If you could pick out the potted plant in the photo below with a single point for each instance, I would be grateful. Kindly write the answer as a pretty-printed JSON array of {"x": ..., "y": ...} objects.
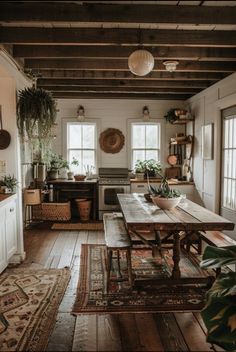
[
  {"x": 36, "y": 113},
  {"x": 163, "y": 196},
  {"x": 140, "y": 169},
  {"x": 219, "y": 314},
  {"x": 9, "y": 184},
  {"x": 152, "y": 167},
  {"x": 56, "y": 163},
  {"x": 70, "y": 174}
]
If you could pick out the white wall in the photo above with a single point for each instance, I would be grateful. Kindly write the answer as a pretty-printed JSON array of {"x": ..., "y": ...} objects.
[
  {"x": 10, "y": 81},
  {"x": 206, "y": 107},
  {"x": 115, "y": 113}
]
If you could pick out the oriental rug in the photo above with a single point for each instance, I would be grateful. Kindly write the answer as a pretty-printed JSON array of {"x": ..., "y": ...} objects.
[
  {"x": 29, "y": 301},
  {"x": 92, "y": 296},
  {"x": 93, "y": 226}
]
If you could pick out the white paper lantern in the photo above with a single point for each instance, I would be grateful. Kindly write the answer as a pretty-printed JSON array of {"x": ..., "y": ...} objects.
[{"x": 141, "y": 62}]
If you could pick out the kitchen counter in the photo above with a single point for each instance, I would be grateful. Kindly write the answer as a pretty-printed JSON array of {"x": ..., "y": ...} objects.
[
  {"x": 61, "y": 180},
  {"x": 158, "y": 180},
  {"x": 5, "y": 197}
]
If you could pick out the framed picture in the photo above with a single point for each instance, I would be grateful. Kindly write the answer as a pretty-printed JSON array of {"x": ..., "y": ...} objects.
[{"x": 207, "y": 141}]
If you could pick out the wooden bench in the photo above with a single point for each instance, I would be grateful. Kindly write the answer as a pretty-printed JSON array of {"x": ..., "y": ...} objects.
[{"x": 117, "y": 239}]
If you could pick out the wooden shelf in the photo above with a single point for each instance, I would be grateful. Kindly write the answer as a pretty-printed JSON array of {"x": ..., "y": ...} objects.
[
  {"x": 182, "y": 121},
  {"x": 180, "y": 143}
]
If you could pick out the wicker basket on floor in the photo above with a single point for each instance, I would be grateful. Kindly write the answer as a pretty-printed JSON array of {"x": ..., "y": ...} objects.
[{"x": 52, "y": 211}]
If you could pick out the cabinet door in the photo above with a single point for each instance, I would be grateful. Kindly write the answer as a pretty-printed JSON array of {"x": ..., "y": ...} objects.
[
  {"x": 138, "y": 187},
  {"x": 11, "y": 238},
  {"x": 3, "y": 257}
]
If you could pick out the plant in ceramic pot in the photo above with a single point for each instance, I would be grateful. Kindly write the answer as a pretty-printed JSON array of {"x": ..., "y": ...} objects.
[
  {"x": 74, "y": 163},
  {"x": 56, "y": 163},
  {"x": 140, "y": 169},
  {"x": 163, "y": 196},
  {"x": 219, "y": 313},
  {"x": 152, "y": 167},
  {"x": 9, "y": 183}
]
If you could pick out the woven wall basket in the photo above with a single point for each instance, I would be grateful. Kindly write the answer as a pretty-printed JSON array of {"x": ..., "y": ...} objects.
[{"x": 111, "y": 140}]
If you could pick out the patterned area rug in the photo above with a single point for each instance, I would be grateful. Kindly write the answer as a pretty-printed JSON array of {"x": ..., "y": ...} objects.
[
  {"x": 93, "y": 298},
  {"x": 94, "y": 226},
  {"x": 29, "y": 301}
]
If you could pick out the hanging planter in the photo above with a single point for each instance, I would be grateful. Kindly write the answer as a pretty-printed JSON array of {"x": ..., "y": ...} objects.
[{"x": 36, "y": 113}]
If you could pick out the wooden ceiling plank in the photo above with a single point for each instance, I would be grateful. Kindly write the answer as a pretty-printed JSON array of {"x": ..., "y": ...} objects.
[
  {"x": 144, "y": 90},
  {"x": 164, "y": 52},
  {"x": 122, "y": 65},
  {"x": 71, "y": 95},
  {"x": 126, "y": 75},
  {"x": 122, "y": 83},
  {"x": 59, "y": 12},
  {"x": 114, "y": 36}
]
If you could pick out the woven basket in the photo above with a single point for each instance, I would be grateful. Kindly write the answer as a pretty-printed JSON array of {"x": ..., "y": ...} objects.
[{"x": 52, "y": 211}]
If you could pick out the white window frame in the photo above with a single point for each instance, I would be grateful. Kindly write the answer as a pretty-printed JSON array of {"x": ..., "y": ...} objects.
[
  {"x": 141, "y": 122},
  {"x": 95, "y": 122}
]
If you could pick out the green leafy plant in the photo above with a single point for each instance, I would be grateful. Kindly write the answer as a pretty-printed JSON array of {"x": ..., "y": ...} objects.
[
  {"x": 140, "y": 166},
  {"x": 57, "y": 162},
  {"x": 10, "y": 182},
  {"x": 36, "y": 113},
  {"x": 219, "y": 314},
  {"x": 171, "y": 115},
  {"x": 164, "y": 190},
  {"x": 152, "y": 165}
]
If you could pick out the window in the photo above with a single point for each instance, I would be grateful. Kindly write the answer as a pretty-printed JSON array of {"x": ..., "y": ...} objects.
[
  {"x": 81, "y": 145},
  {"x": 229, "y": 163},
  {"x": 145, "y": 141}
]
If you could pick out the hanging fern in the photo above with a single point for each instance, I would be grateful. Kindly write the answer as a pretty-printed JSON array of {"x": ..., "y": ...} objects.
[{"x": 36, "y": 113}]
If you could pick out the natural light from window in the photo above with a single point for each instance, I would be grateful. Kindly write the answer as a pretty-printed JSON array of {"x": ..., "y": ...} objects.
[
  {"x": 145, "y": 141},
  {"x": 81, "y": 145}
]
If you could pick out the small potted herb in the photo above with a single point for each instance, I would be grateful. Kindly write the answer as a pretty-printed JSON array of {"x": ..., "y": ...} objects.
[
  {"x": 152, "y": 167},
  {"x": 9, "y": 184},
  {"x": 140, "y": 169},
  {"x": 56, "y": 163},
  {"x": 70, "y": 174}
]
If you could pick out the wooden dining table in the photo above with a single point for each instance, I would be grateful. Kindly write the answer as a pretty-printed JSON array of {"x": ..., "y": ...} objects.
[{"x": 188, "y": 217}]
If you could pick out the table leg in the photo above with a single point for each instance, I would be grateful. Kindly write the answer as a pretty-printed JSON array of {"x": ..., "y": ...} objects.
[{"x": 176, "y": 256}]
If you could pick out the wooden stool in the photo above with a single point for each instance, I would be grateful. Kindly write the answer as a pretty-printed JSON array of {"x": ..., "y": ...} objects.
[{"x": 117, "y": 239}]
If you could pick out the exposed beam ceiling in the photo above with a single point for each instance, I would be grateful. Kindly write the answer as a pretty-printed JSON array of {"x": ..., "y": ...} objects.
[{"x": 81, "y": 49}]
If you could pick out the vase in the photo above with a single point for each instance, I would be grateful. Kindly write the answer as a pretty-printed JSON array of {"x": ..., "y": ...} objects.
[{"x": 52, "y": 174}]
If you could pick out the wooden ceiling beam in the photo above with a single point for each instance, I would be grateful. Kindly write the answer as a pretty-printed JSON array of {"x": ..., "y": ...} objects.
[
  {"x": 115, "y": 36},
  {"x": 122, "y": 65},
  {"x": 121, "y": 90},
  {"x": 114, "y": 52},
  {"x": 122, "y": 83},
  {"x": 125, "y": 95},
  {"x": 127, "y": 75},
  {"x": 44, "y": 12}
]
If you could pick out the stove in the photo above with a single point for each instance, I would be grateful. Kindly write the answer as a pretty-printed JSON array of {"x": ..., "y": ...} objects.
[{"x": 112, "y": 181}]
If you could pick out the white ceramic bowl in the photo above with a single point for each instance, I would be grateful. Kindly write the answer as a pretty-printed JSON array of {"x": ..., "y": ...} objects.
[{"x": 166, "y": 203}]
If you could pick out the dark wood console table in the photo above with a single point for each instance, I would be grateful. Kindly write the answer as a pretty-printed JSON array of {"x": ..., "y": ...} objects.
[{"x": 65, "y": 190}]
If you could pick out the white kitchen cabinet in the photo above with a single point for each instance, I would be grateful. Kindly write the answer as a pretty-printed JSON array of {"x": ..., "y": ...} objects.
[
  {"x": 8, "y": 231},
  {"x": 11, "y": 236},
  {"x": 3, "y": 253}
]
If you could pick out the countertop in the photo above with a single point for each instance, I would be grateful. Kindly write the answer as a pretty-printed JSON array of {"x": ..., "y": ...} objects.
[
  {"x": 5, "y": 197},
  {"x": 158, "y": 180},
  {"x": 61, "y": 180}
]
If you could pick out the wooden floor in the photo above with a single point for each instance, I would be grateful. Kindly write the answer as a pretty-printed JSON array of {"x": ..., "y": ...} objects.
[{"x": 116, "y": 332}]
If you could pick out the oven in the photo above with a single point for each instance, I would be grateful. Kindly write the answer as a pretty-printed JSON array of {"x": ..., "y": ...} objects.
[{"x": 111, "y": 182}]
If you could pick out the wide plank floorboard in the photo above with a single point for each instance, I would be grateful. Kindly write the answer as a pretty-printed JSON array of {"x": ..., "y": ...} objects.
[{"x": 106, "y": 332}]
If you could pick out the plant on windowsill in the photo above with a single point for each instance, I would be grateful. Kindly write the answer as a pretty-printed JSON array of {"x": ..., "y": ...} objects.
[
  {"x": 163, "y": 196},
  {"x": 152, "y": 167},
  {"x": 139, "y": 169},
  {"x": 219, "y": 314},
  {"x": 70, "y": 174}
]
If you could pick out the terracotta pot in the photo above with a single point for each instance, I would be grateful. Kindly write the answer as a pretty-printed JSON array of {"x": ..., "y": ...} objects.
[{"x": 84, "y": 208}]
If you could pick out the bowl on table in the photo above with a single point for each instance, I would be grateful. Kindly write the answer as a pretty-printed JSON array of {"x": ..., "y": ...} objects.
[{"x": 166, "y": 203}]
